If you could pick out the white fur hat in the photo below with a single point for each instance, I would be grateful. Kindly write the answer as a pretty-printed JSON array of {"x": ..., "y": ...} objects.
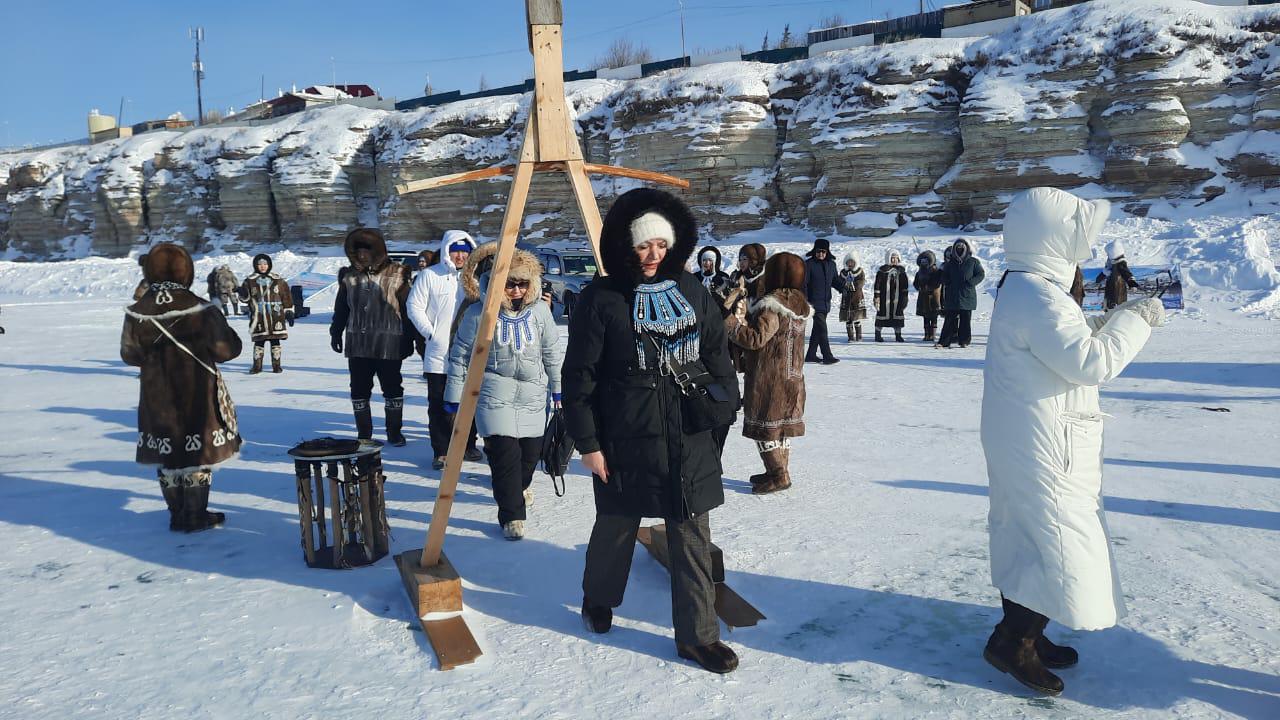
[
  {"x": 652, "y": 226},
  {"x": 1115, "y": 249}
]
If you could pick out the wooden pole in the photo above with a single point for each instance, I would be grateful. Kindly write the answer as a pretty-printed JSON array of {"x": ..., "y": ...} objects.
[
  {"x": 475, "y": 369},
  {"x": 549, "y": 166},
  {"x": 588, "y": 208}
]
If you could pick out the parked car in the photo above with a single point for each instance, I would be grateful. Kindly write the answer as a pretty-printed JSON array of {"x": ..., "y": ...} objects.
[{"x": 567, "y": 270}]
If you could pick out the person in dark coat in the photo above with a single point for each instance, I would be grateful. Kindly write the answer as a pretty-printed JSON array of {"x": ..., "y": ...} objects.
[
  {"x": 961, "y": 276},
  {"x": 891, "y": 296},
  {"x": 627, "y": 416},
  {"x": 853, "y": 300},
  {"x": 710, "y": 274},
  {"x": 744, "y": 287},
  {"x": 928, "y": 285},
  {"x": 1116, "y": 278},
  {"x": 186, "y": 421},
  {"x": 368, "y": 326},
  {"x": 821, "y": 277},
  {"x": 270, "y": 311}
]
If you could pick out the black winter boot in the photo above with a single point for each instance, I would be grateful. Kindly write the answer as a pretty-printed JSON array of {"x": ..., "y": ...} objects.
[
  {"x": 1051, "y": 655},
  {"x": 257, "y": 360},
  {"x": 197, "y": 512},
  {"x": 857, "y": 332},
  {"x": 848, "y": 329},
  {"x": 1012, "y": 649},
  {"x": 275, "y": 359},
  {"x": 716, "y": 657},
  {"x": 879, "y": 336},
  {"x": 598, "y": 619},
  {"x": 364, "y": 419},
  {"x": 897, "y": 335},
  {"x": 395, "y": 421},
  {"x": 173, "y": 498}
]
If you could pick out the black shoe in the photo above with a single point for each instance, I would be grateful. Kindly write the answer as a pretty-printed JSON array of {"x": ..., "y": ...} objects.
[
  {"x": 473, "y": 455},
  {"x": 897, "y": 337},
  {"x": 1055, "y": 656},
  {"x": 964, "y": 345},
  {"x": 809, "y": 359},
  {"x": 438, "y": 463},
  {"x": 716, "y": 657},
  {"x": 1017, "y": 656},
  {"x": 831, "y": 361},
  {"x": 597, "y": 619}
]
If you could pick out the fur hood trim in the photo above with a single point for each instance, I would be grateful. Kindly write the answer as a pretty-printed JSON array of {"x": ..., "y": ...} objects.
[
  {"x": 371, "y": 239},
  {"x": 787, "y": 302},
  {"x": 616, "y": 250},
  {"x": 524, "y": 266},
  {"x": 171, "y": 263},
  {"x": 196, "y": 309}
]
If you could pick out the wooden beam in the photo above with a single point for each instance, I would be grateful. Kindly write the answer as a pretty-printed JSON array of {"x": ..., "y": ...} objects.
[
  {"x": 544, "y": 12},
  {"x": 504, "y": 170},
  {"x": 549, "y": 102},
  {"x": 475, "y": 370},
  {"x": 588, "y": 208}
]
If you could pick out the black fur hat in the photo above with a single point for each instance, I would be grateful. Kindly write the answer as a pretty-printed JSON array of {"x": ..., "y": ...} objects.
[
  {"x": 262, "y": 256},
  {"x": 616, "y": 249}
]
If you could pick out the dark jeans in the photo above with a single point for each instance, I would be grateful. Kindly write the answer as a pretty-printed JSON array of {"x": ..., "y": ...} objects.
[
  {"x": 818, "y": 339},
  {"x": 362, "y": 371},
  {"x": 440, "y": 422},
  {"x": 511, "y": 465},
  {"x": 693, "y": 592},
  {"x": 956, "y": 327}
]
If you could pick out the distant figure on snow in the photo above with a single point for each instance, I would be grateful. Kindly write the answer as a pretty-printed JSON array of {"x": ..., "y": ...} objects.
[
  {"x": 713, "y": 278},
  {"x": 1116, "y": 278},
  {"x": 1042, "y": 435},
  {"x": 186, "y": 420},
  {"x": 270, "y": 310},
  {"x": 961, "y": 276},
  {"x": 891, "y": 296},
  {"x": 368, "y": 327},
  {"x": 745, "y": 285},
  {"x": 853, "y": 299},
  {"x": 222, "y": 286},
  {"x": 821, "y": 276},
  {"x": 928, "y": 285}
]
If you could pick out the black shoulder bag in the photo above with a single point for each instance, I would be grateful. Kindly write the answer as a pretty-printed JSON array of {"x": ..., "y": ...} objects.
[{"x": 704, "y": 402}]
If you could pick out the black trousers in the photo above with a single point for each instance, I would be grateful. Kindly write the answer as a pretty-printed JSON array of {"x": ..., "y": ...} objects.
[
  {"x": 440, "y": 422},
  {"x": 511, "y": 465},
  {"x": 956, "y": 327},
  {"x": 818, "y": 339},
  {"x": 693, "y": 592},
  {"x": 362, "y": 371}
]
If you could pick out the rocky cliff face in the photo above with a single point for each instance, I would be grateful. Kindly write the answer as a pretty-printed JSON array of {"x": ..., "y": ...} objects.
[{"x": 1123, "y": 100}]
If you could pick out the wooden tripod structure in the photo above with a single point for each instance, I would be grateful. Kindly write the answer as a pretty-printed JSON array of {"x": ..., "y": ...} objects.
[{"x": 550, "y": 145}]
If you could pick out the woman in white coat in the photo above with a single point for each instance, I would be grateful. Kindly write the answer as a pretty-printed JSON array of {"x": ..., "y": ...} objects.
[
  {"x": 1042, "y": 435},
  {"x": 523, "y": 367}
]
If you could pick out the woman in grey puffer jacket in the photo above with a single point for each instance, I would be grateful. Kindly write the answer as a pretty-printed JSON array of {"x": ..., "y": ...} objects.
[{"x": 523, "y": 366}]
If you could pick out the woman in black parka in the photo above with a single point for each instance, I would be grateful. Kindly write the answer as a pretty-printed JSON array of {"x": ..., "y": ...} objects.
[{"x": 625, "y": 415}]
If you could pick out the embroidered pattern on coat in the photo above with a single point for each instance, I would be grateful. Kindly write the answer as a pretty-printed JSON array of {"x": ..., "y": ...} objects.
[
  {"x": 663, "y": 313},
  {"x": 516, "y": 331}
]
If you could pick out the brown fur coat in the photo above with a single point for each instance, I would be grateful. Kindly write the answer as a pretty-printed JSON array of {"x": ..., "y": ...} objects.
[
  {"x": 773, "y": 338},
  {"x": 179, "y": 422}
]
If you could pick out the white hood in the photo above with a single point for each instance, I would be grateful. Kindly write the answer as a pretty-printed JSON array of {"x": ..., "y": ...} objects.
[
  {"x": 449, "y": 238},
  {"x": 1049, "y": 232},
  {"x": 1115, "y": 250},
  {"x": 855, "y": 257},
  {"x": 889, "y": 255}
]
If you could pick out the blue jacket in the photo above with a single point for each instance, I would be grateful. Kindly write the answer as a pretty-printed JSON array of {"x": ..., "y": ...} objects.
[{"x": 820, "y": 278}]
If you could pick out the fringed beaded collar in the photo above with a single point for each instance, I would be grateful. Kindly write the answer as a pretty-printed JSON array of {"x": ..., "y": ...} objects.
[
  {"x": 515, "y": 330},
  {"x": 665, "y": 315}
]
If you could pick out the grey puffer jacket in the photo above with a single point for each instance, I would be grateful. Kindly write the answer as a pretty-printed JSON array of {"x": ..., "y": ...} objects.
[{"x": 524, "y": 361}]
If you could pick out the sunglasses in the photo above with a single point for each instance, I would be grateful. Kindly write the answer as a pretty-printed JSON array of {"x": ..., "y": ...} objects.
[{"x": 517, "y": 284}]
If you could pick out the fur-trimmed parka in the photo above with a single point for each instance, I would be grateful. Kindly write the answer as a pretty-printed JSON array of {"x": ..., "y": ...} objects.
[
  {"x": 928, "y": 285},
  {"x": 717, "y": 283},
  {"x": 773, "y": 338},
  {"x": 891, "y": 292},
  {"x": 270, "y": 303},
  {"x": 181, "y": 423},
  {"x": 370, "y": 307},
  {"x": 630, "y": 411},
  {"x": 853, "y": 300}
]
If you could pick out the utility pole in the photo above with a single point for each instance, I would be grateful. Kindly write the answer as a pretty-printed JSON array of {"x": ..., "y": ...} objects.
[
  {"x": 333, "y": 70},
  {"x": 197, "y": 34},
  {"x": 683, "y": 55}
]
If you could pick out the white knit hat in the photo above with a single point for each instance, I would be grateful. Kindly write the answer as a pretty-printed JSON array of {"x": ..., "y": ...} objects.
[
  {"x": 706, "y": 255},
  {"x": 652, "y": 226}
]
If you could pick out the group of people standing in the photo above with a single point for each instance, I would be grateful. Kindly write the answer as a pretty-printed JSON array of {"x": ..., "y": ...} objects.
[{"x": 649, "y": 388}]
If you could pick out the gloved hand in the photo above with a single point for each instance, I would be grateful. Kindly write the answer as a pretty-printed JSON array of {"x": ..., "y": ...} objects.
[
  {"x": 1095, "y": 322},
  {"x": 1149, "y": 309},
  {"x": 288, "y": 317},
  {"x": 335, "y": 342},
  {"x": 555, "y": 400},
  {"x": 451, "y": 408}
]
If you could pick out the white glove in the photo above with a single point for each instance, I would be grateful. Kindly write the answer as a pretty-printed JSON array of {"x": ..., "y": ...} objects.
[
  {"x": 1095, "y": 322},
  {"x": 1149, "y": 309}
]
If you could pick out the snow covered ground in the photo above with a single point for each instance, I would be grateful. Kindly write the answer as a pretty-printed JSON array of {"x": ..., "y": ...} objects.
[{"x": 872, "y": 569}]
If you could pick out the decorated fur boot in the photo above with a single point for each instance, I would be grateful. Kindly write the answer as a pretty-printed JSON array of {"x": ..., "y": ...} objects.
[
  {"x": 394, "y": 413},
  {"x": 195, "y": 496},
  {"x": 364, "y": 419},
  {"x": 257, "y": 360},
  {"x": 777, "y": 476},
  {"x": 275, "y": 359}
]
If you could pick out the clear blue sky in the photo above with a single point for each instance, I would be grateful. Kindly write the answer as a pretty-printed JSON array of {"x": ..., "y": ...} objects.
[{"x": 61, "y": 58}]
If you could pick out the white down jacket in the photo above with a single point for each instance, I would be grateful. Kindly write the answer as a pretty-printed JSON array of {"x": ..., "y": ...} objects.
[
  {"x": 433, "y": 302},
  {"x": 1041, "y": 424}
]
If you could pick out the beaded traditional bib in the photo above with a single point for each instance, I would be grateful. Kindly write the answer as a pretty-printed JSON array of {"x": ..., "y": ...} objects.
[
  {"x": 665, "y": 315},
  {"x": 515, "y": 330}
]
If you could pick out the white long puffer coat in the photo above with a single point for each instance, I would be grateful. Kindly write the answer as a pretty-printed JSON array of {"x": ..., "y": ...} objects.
[
  {"x": 1041, "y": 424},
  {"x": 433, "y": 301}
]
